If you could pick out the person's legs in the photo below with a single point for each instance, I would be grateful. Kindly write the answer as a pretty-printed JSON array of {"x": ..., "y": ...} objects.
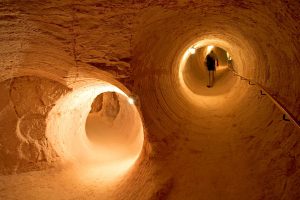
[
  {"x": 212, "y": 78},
  {"x": 209, "y": 78}
]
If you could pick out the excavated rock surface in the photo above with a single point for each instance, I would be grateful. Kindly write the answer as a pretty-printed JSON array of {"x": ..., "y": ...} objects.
[
  {"x": 25, "y": 103},
  {"x": 235, "y": 146}
]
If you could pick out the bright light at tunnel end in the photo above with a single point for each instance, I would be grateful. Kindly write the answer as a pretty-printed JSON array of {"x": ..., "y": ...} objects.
[
  {"x": 209, "y": 49},
  {"x": 192, "y": 50},
  {"x": 131, "y": 101},
  {"x": 208, "y": 44}
]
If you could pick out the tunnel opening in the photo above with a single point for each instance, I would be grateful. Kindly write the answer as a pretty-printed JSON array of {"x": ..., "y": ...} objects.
[
  {"x": 193, "y": 137},
  {"x": 196, "y": 74},
  {"x": 193, "y": 74},
  {"x": 106, "y": 124},
  {"x": 96, "y": 129}
]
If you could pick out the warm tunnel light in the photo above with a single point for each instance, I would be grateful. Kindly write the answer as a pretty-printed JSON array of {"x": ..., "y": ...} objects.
[
  {"x": 197, "y": 98},
  {"x": 130, "y": 100},
  {"x": 209, "y": 49},
  {"x": 228, "y": 56},
  {"x": 192, "y": 50},
  {"x": 66, "y": 130}
]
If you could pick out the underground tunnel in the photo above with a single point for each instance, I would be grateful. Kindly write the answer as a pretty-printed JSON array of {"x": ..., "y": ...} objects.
[{"x": 109, "y": 100}]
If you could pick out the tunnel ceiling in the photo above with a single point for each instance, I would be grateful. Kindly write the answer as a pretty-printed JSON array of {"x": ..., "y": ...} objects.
[
  {"x": 54, "y": 51},
  {"x": 112, "y": 36}
]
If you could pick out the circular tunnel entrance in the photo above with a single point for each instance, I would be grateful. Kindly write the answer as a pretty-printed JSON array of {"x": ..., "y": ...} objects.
[
  {"x": 193, "y": 72},
  {"x": 112, "y": 126},
  {"x": 96, "y": 126},
  {"x": 196, "y": 75}
]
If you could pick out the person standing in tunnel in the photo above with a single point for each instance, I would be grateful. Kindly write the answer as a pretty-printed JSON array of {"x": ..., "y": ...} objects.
[{"x": 211, "y": 62}]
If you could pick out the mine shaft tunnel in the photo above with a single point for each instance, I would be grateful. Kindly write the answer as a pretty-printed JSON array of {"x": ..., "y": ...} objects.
[{"x": 117, "y": 108}]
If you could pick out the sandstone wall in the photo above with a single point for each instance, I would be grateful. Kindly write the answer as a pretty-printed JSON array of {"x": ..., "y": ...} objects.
[
  {"x": 25, "y": 103},
  {"x": 54, "y": 44}
]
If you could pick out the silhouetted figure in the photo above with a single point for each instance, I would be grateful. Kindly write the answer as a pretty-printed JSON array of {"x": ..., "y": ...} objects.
[{"x": 211, "y": 62}]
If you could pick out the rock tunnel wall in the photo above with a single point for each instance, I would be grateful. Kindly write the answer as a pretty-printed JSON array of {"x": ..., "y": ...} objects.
[
  {"x": 248, "y": 30},
  {"x": 106, "y": 36},
  {"x": 25, "y": 103},
  {"x": 140, "y": 44}
]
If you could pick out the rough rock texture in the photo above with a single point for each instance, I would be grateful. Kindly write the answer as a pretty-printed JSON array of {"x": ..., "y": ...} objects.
[
  {"x": 111, "y": 105},
  {"x": 229, "y": 146},
  {"x": 97, "y": 104},
  {"x": 24, "y": 107},
  {"x": 104, "y": 111},
  {"x": 107, "y": 35}
]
